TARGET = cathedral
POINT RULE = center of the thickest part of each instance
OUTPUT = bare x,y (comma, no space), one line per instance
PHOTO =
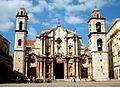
58,53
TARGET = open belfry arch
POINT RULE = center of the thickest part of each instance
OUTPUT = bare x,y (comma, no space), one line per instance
56,52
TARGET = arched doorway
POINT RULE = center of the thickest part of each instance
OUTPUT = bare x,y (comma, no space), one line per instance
59,70
86,66
31,66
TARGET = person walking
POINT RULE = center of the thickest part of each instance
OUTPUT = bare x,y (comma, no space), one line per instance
74,77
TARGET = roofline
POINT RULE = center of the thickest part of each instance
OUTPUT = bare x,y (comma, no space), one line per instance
5,39
96,33
22,16
117,19
96,18
30,44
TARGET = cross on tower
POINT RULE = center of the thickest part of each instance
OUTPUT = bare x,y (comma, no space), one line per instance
23,5
58,21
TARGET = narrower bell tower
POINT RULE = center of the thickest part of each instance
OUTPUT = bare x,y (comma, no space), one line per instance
98,46
20,41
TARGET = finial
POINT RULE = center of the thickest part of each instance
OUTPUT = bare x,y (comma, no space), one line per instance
58,21
23,5
95,7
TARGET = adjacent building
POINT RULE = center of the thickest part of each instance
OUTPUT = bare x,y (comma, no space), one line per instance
5,59
113,41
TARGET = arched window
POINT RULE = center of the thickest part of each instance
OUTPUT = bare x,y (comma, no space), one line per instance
99,44
20,25
21,12
97,15
98,27
19,42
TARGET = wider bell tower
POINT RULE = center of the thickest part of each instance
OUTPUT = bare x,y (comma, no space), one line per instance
98,46
20,41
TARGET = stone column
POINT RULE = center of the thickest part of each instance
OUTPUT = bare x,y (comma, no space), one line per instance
65,69
66,46
49,66
26,66
53,45
80,69
73,67
38,68
51,51
90,68
41,69
76,46
44,46
52,74
41,46
44,73
77,72
73,46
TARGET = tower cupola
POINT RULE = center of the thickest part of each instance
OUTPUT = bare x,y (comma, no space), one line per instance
22,13
96,15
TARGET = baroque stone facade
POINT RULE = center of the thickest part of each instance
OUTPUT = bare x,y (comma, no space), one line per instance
113,41
59,53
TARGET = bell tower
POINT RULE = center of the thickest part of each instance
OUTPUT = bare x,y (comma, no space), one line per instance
20,41
98,46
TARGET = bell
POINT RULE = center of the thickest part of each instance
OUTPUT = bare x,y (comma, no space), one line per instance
99,45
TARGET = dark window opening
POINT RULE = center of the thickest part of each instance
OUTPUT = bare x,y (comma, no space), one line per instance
97,15
99,44
58,40
32,60
19,42
21,12
98,27
20,25
70,53
84,61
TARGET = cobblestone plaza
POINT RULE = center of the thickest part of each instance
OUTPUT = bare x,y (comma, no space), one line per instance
111,83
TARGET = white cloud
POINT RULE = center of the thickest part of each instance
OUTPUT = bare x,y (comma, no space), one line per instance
42,5
110,22
4,26
87,5
81,1
32,33
73,20
9,8
32,18
46,24
61,4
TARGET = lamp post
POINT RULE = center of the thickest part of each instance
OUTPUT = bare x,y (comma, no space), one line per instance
26,64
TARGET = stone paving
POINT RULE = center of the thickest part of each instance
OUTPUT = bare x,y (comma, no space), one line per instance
114,83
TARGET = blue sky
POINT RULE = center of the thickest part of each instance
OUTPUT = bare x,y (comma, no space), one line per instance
45,14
